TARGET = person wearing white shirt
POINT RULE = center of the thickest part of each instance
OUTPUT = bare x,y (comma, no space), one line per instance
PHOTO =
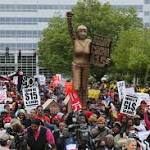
138,125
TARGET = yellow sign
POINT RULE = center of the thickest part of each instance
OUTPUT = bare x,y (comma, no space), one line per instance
92,93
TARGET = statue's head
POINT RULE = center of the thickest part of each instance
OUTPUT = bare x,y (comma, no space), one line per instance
82,32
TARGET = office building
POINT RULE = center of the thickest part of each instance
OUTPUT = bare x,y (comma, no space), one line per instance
21,24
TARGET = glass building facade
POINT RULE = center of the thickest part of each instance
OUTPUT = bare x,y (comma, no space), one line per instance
21,25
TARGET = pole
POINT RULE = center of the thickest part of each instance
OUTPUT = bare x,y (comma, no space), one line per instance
5,64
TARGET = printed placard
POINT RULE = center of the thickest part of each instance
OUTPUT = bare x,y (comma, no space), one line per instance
28,82
143,96
130,90
31,97
75,101
94,94
41,79
100,50
121,90
129,105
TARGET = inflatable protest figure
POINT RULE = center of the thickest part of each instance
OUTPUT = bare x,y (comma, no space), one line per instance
85,53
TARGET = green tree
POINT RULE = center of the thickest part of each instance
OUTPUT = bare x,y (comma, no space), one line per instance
131,54
55,47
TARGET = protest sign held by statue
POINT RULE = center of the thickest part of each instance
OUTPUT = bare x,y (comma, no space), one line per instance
86,52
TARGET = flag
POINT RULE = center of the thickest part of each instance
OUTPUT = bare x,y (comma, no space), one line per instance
75,101
68,88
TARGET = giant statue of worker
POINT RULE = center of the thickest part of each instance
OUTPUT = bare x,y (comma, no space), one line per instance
81,59
84,50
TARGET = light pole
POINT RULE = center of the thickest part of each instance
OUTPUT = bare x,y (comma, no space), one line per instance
19,58
6,55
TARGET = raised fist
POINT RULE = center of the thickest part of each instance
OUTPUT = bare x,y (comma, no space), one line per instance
108,61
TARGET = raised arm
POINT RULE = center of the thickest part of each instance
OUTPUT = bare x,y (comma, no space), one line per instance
70,27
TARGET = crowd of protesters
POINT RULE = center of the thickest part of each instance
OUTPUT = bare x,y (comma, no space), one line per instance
41,129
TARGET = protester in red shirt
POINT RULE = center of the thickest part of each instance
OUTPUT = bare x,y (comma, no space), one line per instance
146,118
40,115
6,117
38,137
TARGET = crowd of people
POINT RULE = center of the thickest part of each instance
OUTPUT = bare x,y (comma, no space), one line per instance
100,127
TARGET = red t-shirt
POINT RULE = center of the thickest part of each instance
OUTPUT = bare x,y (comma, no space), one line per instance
43,118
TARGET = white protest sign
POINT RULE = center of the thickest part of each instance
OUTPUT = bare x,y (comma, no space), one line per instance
41,79
143,97
143,135
31,97
71,147
30,92
121,90
28,82
130,90
129,105
3,96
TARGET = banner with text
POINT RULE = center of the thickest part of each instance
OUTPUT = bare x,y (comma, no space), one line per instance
121,90
31,95
143,97
75,101
41,79
129,105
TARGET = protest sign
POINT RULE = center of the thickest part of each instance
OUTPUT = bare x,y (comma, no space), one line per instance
28,82
30,92
129,105
3,96
130,91
75,101
68,87
143,96
71,147
56,80
52,105
143,135
41,79
121,90
94,94
31,97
